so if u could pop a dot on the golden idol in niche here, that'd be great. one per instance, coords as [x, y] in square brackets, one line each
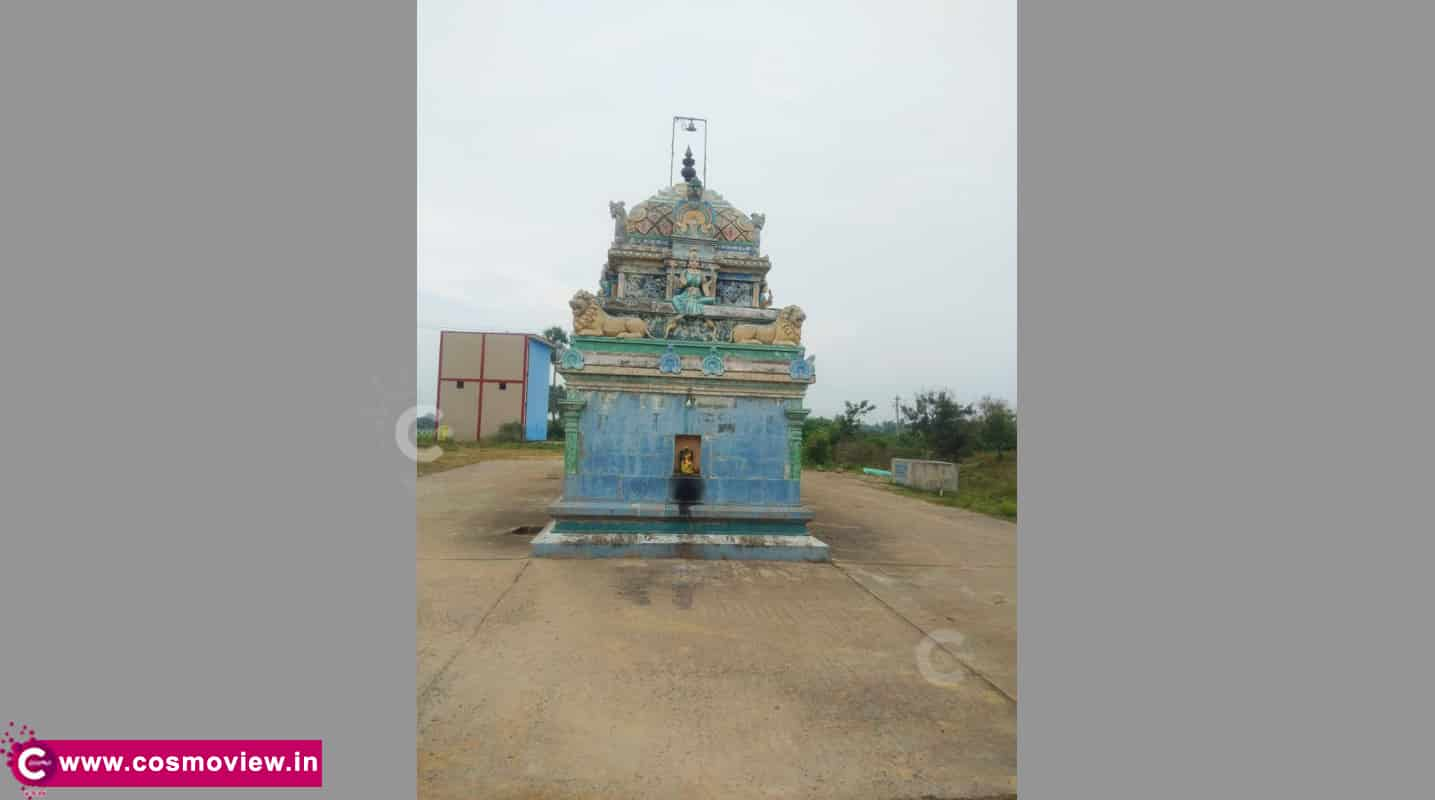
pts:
[686, 465]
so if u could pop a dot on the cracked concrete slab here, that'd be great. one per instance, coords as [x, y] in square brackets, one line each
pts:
[482, 511]
[671, 678]
[631, 678]
[861, 521]
[453, 597]
[978, 605]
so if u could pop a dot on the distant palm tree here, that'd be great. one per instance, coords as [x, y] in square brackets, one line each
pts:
[557, 336]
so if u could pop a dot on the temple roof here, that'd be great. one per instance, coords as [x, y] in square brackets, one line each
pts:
[672, 211]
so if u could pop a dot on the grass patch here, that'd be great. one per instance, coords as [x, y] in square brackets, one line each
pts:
[985, 483]
[462, 454]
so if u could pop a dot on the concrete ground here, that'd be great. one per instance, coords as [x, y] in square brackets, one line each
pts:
[890, 673]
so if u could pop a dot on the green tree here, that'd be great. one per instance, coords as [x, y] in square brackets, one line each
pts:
[555, 393]
[943, 424]
[559, 337]
[817, 448]
[850, 422]
[997, 425]
[817, 433]
[560, 340]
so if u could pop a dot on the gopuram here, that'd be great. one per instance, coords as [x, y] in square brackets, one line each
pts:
[683, 409]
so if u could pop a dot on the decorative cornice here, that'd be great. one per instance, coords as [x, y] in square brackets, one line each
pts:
[710, 368]
[572, 404]
[655, 383]
[726, 259]
[684, 347]
[650, 253]
[631, 305]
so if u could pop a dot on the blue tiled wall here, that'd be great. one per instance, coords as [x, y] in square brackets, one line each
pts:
[626, 449]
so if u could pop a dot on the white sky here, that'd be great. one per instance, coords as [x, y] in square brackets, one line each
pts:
[879, 139]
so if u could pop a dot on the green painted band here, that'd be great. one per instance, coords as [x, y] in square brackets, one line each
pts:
[754, 352]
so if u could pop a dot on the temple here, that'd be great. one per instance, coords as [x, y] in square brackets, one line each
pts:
[683, 410]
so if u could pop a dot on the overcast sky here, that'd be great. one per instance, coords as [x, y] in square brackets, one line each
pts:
[878, 137]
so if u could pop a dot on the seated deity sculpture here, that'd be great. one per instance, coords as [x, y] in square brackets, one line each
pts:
[694, 291]
[686, 466]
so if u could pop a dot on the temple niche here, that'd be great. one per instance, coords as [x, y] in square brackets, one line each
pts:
[683, 413]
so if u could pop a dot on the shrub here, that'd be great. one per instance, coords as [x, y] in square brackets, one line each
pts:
[874, 451]
[817, 448]
[508, 432]
[996, 426]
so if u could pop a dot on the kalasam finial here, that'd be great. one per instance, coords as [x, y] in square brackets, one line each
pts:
[688, 172]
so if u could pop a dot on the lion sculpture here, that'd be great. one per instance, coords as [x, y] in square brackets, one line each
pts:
[589, 319]
[787, 330]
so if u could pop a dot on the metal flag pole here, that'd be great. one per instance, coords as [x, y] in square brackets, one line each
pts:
[673, 144]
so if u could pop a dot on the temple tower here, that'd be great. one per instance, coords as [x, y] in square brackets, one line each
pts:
[683, 415]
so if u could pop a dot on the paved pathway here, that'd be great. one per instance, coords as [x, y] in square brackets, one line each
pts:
[542, 678]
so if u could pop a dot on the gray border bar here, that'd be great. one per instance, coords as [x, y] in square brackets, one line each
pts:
[208, 325]
[1224, 287]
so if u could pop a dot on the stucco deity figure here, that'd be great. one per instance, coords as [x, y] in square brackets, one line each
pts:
[764, 296]
[620, 220]
[758, 220]
[695, 287]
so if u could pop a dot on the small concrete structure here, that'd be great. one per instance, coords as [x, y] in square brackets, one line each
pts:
[934, 476]
[487, 380]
